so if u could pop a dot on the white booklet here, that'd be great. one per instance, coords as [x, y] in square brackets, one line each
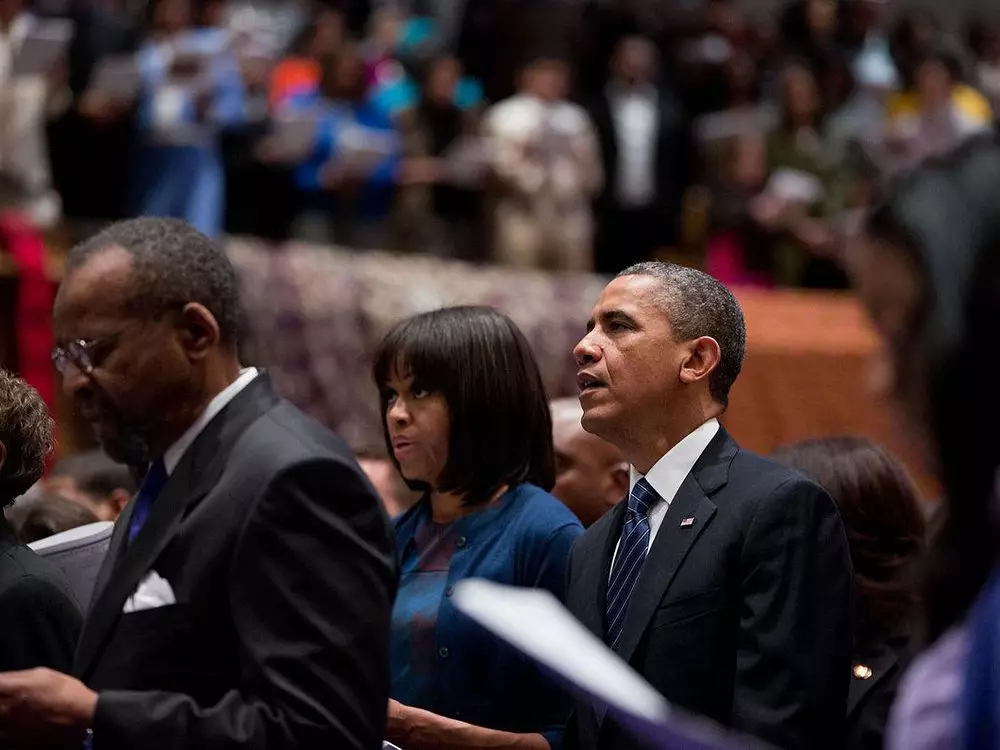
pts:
[533, 621]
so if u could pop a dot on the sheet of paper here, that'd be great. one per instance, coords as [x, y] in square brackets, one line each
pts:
[795, 186]
[293, 135]
[117, 77]
[362, 149]
[44, 45]
[536, 623]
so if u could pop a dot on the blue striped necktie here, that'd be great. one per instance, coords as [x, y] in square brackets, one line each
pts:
[156, 477]
[632, 549]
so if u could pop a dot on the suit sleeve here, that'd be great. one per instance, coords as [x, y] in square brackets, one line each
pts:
[40, 626]
[796, 628]
[312, 585]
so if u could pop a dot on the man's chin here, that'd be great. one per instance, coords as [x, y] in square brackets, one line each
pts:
[124, 448]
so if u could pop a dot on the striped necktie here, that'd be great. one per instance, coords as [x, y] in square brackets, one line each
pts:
[632, 549]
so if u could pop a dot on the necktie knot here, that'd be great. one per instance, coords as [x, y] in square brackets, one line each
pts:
[642, 498]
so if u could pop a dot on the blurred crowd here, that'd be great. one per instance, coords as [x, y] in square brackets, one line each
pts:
[550, 133]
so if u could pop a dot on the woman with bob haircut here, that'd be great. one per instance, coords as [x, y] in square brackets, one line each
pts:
[880, 507]
[467, 422]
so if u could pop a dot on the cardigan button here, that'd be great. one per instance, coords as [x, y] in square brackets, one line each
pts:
[462, 541]
[449, 590]
[443, 652]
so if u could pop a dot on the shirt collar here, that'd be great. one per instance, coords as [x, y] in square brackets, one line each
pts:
[173, 455]
[669, 472]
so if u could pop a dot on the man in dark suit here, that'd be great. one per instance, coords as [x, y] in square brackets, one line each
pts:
[246, 596]
[39, 616]
[725, 579]
[649, 160]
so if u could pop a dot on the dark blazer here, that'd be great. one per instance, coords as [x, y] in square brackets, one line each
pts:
[39, 616]
[283, 570]
[675, 164]
[874, 681]
[744, 616]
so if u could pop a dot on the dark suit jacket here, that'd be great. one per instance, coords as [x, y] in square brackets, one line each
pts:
[281, 564]
[744, 616]
[675, 164]
[39, 616]
[869, 699]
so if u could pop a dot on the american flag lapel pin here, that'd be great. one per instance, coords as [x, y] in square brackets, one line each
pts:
[687, 522]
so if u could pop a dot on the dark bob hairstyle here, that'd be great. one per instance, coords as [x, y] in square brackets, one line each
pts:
[480, 362]
[885, 527]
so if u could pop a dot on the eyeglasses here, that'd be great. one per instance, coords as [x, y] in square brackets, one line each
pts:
[75, 353]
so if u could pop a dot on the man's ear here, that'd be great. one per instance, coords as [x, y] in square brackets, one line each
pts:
[199, 330]
[704, 355]
[118, 499]
[619, 482]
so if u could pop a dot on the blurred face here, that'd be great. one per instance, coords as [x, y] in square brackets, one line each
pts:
[329, 35]
[821, 16]
[442, 80]
[628, 361]
[548, 81]
[591, 476]
[801, 97]
[419, 429]
[348, 79]
[635, 62]
[105, 509]
[933, 84]
[890, 289]
[172, 15]
[382, 474]
[137, 375]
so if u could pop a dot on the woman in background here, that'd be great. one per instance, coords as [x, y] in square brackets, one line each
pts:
[467, 422]
[191, 89]
[928, 270]
[885, 530]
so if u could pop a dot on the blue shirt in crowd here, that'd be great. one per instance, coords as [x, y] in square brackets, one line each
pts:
[443, 662]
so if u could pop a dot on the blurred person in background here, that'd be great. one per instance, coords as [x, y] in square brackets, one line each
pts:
[649, 159]
[928, 269]
[916, 34]
[191, 88]
[27, 101]
[880, 507]
[45, 514]
[591, 475]
[935, 114]
[802, 187]
[39, 616]
[94, 481]
[467, 423]
[300, 72]
[547, 170]
[396, 496]
[347, 185]
[984, 42]
[437, 211]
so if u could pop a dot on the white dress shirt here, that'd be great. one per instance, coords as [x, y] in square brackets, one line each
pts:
[668, 474]
[635, 113]
[173, 455]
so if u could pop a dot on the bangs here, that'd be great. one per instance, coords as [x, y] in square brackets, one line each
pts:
[415, 348]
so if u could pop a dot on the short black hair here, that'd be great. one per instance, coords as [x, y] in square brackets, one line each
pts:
[26, 435]
[481, 363]
[173, 264]
[46, 515]
[96, 473]
[699, 305]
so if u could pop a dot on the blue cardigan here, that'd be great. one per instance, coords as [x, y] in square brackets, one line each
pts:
[524, 539]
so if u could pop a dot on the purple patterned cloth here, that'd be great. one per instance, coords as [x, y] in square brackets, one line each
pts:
[316, 315]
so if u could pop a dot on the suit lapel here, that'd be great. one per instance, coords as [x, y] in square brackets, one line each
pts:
[675, 538]
[194, 477]
[595, 551]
